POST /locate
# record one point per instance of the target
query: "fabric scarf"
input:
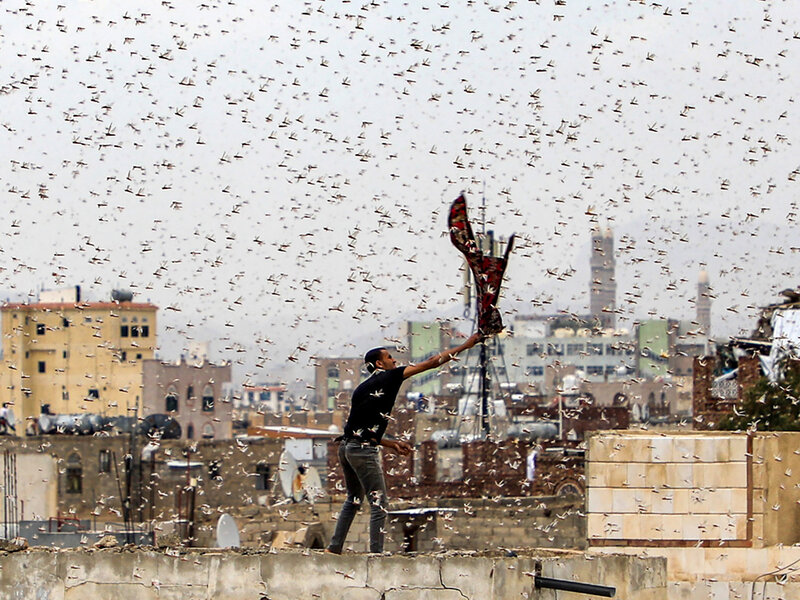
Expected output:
(487, 270)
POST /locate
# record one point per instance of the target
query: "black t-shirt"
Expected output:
(371, 405)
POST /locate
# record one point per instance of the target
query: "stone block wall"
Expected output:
(661, 489)
(712, 488)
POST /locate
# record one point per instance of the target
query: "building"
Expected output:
(551, 343)
(335, 379)
(76, 357)
(667, 347)
(425, 339)
(264, 397)
(192, 394)
(83, 476)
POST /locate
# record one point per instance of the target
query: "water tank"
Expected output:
(121, 295)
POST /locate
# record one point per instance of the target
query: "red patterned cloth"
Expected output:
(487, 270)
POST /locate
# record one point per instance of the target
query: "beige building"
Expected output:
(76, 357)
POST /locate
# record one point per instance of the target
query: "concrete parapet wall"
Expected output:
(728, 573)
(229, 575)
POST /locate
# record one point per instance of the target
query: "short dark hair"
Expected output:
(371, 357)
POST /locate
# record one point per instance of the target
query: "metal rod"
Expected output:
(575, 586)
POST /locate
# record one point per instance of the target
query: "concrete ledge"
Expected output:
(122, 574)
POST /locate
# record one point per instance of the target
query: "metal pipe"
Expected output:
(574, 586)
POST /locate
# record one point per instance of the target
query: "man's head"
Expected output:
(379, 358)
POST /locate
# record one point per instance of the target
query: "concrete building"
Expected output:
(425, 339)
(264, 397)
(192, 394)
(667, 347)
(76, 357)
(526, 360)
(335, 379)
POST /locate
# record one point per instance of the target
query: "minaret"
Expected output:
(603, 286)
(704, 302)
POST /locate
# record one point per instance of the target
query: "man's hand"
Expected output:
(398, 446)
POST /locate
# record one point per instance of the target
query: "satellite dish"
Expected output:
(287, 472)
(299, 483)
(10, 419)
(313, 485)
(227, 532)
(161, 426)
(46, 424)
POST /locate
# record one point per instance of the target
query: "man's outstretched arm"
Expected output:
(438, 360)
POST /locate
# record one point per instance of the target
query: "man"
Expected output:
(371, 404)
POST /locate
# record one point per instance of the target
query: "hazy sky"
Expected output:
(276, 178)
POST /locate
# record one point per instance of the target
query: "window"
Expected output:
(93, 394)
(208, 399)
(40, 329)
(333, 372)
(42, 366)
(145, 330)
(535, 371)
(171, 402)
(611, 369)
(215, 470)
(64, 322)
(64, 354)
(594, 370)
(138, 356)
(123, 331)
(123, 356)
(190, 432)
(573, 349)
(262, 476)
(555, 349)
(74, 475)
(134, 331)
(208, 431)
(104, 461)
(593, 348)
(190, 393)
(533, 349)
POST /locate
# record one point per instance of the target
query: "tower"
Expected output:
(603, 286)
(704, 302)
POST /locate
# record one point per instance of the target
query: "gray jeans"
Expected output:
(363, 474)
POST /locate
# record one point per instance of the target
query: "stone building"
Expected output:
(192, 394)
(89, 475)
